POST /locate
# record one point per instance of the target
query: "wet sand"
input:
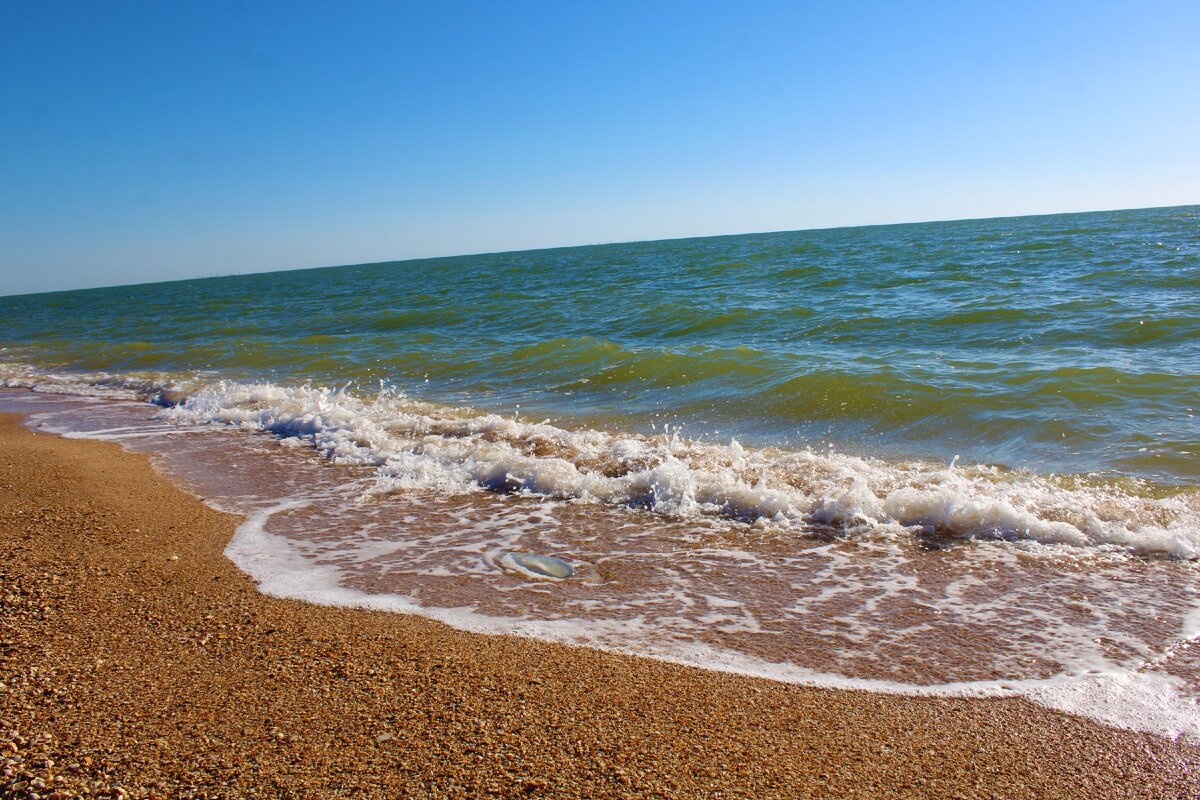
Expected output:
(133, 654)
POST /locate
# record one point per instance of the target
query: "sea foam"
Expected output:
(1142, 699)
(415, 444)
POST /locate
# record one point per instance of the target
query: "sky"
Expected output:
(144, 141)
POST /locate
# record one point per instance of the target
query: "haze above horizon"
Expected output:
(145, 142)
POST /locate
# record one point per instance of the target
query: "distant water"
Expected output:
(954, 456)
(1066, 343)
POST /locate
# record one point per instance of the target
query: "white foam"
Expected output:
(1143, 700)
(413, 444)
(420, 445)
(157, 387)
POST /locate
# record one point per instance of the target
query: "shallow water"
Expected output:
(835, 540)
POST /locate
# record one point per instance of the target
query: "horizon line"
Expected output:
(587, 245)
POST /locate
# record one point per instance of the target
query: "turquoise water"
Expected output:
(1066, 343)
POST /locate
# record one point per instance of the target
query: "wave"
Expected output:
(413, 444)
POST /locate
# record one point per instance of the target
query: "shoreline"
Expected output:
(156, 666)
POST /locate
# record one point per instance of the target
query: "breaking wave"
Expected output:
(413, 444)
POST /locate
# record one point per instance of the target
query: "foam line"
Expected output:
(420, 445)
(1142, 700)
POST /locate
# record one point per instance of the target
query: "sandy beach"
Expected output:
(136, 660)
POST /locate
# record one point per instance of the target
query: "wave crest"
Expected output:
(415, 444)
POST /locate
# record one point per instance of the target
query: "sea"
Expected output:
(952, 458)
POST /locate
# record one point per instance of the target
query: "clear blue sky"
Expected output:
(155, 140)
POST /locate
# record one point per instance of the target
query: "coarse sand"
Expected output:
(136, 660)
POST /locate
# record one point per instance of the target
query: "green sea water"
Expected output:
(954, 458)
(1066, 343)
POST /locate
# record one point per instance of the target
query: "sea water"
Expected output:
(955, 458)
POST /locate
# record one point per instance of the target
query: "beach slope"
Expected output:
(133, 654)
